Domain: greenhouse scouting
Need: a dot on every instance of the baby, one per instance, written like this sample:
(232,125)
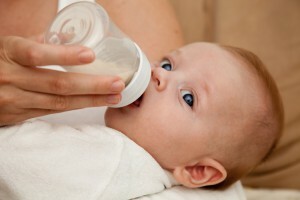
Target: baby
(209,115)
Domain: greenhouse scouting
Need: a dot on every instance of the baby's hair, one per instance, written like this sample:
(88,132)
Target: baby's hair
(271,124)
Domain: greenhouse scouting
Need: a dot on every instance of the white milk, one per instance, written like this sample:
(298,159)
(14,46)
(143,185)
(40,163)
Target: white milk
(98,67)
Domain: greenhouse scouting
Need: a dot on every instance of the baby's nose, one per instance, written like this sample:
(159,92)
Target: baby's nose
(159,76)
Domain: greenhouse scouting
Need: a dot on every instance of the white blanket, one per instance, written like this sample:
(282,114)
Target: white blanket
(95,115)
(234,192)
(40,161)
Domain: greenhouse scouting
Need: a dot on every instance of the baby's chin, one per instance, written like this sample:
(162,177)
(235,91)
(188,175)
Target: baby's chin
(111,120)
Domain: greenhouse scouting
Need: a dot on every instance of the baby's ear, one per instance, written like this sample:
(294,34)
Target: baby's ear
(204,173)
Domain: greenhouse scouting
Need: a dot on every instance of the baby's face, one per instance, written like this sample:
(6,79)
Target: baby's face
(193,95)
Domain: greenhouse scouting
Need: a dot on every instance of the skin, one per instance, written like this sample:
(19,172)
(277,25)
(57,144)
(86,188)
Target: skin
(184,135)
(22,98)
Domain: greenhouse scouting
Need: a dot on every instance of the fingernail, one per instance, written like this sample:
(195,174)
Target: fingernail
(86,56)
(117,86)
(113,99)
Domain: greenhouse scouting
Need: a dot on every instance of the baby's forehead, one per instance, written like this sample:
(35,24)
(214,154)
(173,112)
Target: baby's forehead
(213,63)
(201,47)
(204,52)
(207,55)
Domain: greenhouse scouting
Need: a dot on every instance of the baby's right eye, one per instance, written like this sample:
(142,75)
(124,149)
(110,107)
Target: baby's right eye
(166,65)
(188,97)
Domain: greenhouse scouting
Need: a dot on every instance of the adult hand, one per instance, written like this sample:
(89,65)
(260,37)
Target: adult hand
(27,91)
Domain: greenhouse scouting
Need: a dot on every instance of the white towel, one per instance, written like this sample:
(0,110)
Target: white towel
(41,161)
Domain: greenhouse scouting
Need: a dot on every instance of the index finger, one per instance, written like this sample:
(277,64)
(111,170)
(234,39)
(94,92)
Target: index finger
(31,53)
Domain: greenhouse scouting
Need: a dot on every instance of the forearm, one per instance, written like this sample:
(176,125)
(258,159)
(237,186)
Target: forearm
(152,24)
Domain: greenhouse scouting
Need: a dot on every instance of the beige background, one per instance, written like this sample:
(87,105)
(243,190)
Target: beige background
(271,29)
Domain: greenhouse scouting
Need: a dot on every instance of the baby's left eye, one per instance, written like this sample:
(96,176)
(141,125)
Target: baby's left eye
(165,64)
(188,97)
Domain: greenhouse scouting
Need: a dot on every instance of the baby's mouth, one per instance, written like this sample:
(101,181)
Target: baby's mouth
(138,102)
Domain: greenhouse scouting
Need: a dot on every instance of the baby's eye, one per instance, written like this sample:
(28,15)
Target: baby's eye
(166,65)
(188,97)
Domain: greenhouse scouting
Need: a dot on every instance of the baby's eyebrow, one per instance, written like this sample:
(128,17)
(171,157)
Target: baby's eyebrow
(177,51)
(171,56)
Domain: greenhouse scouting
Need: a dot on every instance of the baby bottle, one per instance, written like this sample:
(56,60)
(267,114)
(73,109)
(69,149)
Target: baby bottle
(88,24)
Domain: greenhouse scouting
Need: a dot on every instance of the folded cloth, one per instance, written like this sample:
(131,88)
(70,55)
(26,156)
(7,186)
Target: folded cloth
(39,160)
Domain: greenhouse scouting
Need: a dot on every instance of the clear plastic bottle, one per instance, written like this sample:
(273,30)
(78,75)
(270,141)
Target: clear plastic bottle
(88,24)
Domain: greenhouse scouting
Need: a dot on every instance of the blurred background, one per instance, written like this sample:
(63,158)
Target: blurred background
(270,29)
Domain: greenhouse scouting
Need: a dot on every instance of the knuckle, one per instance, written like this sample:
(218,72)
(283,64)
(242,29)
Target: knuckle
(4,48)
(33,55)
(7,41)
(60,103)
(4,55)
(61,86)
(5,67)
